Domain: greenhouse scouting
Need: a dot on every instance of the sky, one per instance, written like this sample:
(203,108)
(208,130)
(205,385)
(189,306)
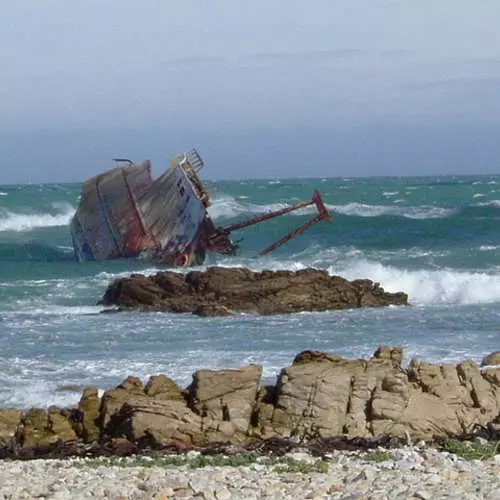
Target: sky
(275,88)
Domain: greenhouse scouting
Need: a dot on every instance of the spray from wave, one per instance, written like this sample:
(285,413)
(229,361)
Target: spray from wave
(425,286)
(12,221)
(226,207)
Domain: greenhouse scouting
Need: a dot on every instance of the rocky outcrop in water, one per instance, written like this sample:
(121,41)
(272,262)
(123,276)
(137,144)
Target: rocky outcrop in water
(221,291)
(319,396)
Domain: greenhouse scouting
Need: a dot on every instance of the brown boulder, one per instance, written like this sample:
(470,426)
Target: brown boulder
(163,387)
(87,423)
(225,401)
(493,359)
(10,419)
(158,422)
(113,400)
(40,428)
(325,395)
(219,291)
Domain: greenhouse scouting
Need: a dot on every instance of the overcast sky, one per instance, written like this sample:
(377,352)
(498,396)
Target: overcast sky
(274,88)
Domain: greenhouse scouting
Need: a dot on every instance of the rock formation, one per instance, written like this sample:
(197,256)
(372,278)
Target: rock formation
(220,291)
(320,395)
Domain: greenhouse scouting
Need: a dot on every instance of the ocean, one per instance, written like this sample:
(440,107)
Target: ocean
(435,238)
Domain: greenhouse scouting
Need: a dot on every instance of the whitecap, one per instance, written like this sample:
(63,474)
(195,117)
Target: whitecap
(11,221)
(426,286)
(226,206)
(410,212)
(491,203)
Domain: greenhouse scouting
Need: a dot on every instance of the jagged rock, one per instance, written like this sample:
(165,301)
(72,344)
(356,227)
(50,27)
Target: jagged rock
(163,387)
(113,400)
(158,422)
(493,359)
(225,400)
(86,423)
(434,400)
(220,291)
(323,395)
(395,354)
(10,418)
(40,428)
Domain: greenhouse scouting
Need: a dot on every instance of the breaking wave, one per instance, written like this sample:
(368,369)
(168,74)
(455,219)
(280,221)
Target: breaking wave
(427,287)
(12,221)
(414,212)
(492,203)
(227,207)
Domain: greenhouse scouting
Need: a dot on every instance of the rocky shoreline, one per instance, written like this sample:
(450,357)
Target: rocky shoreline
(328,428)
(319,396)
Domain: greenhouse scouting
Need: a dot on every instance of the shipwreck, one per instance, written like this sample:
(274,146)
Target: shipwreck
(124,213)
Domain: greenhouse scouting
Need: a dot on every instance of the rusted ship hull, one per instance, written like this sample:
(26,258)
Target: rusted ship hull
(124,213)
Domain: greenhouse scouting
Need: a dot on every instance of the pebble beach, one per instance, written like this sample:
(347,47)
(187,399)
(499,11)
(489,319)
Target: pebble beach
(409,472)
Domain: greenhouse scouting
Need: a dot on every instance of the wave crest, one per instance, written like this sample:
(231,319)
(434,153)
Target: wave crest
(413,212)
(12,221)
(427,286)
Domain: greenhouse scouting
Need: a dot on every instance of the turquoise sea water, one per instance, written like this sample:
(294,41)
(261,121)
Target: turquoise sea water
(435,238)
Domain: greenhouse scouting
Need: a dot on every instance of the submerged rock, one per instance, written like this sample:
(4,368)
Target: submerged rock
(220,291)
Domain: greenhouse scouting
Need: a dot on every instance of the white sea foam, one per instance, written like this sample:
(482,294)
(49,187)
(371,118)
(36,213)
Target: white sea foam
(11,221)
(54,310)
(3,194)
(426,287)
(491,203)
(413,212)
(488,248)
(105,275)
(226,206)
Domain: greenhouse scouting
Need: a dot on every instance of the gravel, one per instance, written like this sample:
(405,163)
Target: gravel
(404,473)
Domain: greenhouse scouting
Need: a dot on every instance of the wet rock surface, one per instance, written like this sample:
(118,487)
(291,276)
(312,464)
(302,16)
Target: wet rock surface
(222,291)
